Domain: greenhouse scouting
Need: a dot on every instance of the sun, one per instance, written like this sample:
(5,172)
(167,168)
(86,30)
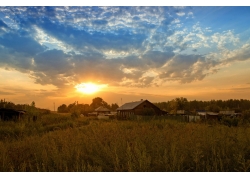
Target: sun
(88,88)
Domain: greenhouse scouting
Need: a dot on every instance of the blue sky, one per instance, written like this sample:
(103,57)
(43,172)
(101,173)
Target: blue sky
(131,47)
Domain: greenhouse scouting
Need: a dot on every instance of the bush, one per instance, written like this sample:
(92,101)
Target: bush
(230,121)
(246,116)
(75,115)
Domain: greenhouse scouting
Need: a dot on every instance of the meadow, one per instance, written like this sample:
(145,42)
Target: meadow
(62,143)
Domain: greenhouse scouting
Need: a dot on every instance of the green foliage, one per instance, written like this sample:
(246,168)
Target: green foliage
(246,116)
(75,114)
(33,104)
(114,106)
(213,105)
(230,121)
(213,108)
(77,109)
(97,102)
(62,109)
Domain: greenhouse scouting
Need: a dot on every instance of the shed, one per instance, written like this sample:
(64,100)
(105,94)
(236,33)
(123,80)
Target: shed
(143,107)
(11,114)
(212,116)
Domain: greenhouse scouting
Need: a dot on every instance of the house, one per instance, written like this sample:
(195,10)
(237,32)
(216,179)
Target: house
(11,114)
(208,115)
(102,110)
(143,107)
(212,116)
(227,113)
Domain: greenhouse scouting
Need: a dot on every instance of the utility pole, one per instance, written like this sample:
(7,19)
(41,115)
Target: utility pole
(54,107)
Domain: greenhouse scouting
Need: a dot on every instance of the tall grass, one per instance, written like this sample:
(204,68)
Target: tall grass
(121,146)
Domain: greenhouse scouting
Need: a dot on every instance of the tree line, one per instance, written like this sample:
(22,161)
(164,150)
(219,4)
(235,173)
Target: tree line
(31,108)
(181,103)
(85,108)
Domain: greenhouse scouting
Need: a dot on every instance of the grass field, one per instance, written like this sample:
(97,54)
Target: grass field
(59,143)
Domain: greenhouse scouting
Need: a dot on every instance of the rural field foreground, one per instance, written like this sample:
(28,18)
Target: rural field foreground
(61,143)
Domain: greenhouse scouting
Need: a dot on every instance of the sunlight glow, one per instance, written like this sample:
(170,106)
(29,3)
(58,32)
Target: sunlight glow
(89,88)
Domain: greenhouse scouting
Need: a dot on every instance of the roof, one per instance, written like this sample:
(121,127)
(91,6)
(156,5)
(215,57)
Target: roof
(212,114)
(130,105)
(201,113)
(101,108)
(12,111)
(227,112)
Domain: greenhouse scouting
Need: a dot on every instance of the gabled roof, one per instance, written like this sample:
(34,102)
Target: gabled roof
(130,105)
(101,108)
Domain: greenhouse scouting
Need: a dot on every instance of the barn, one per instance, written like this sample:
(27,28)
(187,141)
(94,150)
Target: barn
(143,107)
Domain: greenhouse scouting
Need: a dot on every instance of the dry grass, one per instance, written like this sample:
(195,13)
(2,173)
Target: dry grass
(94,145)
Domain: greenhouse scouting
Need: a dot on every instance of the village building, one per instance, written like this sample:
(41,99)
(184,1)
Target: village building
(212,116)
(102,110)
(11,114)
(143,107)
(227,113)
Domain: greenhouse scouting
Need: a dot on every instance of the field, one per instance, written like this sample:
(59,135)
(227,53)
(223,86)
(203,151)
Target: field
(61,143)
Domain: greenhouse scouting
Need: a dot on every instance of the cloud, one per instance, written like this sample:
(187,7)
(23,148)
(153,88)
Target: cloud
(99,22)
(64,46)
(2,24)
(17,60)
(181,13)
(52,60)
(21,44)
(225,39)
(240,54)
(6,93)
(156,59)
(185,68)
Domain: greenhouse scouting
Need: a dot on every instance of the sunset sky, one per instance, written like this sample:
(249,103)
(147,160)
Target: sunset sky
(130,53)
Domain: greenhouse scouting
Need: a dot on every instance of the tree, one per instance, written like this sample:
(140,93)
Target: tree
(62,109)
(97,102)
(178,104)
(70,106)
(33,104)
(114,107)
(213,108)
(181,103)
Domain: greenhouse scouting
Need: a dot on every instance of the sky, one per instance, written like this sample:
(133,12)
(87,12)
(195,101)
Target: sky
(131,52)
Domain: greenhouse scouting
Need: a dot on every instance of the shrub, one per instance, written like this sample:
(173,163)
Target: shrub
(246,116)
(230,121)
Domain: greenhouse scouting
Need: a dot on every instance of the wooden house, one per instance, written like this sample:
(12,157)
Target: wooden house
(143,107)
(11,114)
